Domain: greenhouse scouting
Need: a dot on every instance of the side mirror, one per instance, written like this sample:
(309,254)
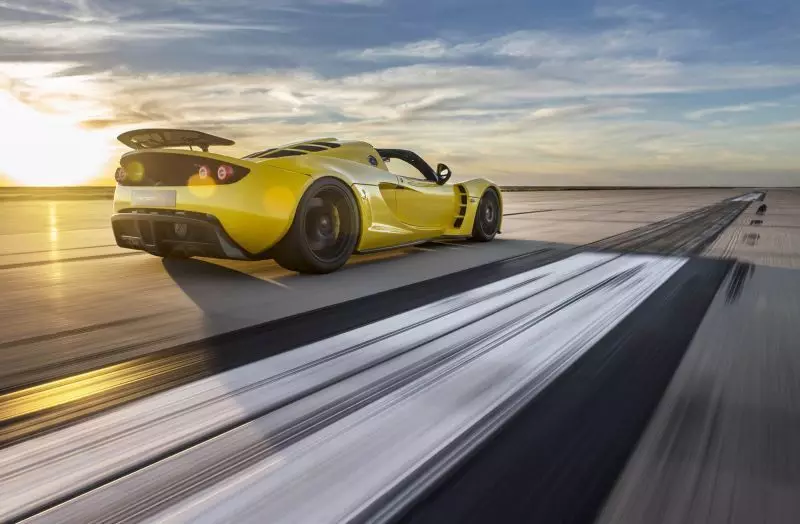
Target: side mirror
(443,174)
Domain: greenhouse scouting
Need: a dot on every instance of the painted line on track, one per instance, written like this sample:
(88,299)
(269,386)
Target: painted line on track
(589,293)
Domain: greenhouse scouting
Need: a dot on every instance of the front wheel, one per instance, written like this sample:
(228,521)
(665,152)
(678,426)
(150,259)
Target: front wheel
(487,217)
(324,232)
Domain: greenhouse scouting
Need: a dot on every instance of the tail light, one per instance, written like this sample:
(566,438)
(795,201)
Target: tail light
(224,172)
(169,169)
(119,174)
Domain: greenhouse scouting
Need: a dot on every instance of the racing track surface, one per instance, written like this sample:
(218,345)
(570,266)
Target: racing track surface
(723,443)
(120,317)
(103,305)
(392,406)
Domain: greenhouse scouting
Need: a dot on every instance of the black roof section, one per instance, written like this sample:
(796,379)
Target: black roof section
(296,149)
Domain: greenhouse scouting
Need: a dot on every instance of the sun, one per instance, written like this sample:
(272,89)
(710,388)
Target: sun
(38,149)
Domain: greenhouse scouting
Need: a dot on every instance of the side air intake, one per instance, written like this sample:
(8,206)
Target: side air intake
(462,208)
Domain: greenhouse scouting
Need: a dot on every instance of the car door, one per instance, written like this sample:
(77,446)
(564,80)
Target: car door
(423,203)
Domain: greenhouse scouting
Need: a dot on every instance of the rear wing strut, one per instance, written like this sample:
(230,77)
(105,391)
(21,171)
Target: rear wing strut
(159,138)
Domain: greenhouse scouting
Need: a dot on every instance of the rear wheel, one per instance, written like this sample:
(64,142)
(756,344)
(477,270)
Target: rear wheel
(487,217)
(324,232)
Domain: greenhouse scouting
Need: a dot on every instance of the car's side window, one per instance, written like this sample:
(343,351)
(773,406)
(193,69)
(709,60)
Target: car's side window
(410,165)
(402,168)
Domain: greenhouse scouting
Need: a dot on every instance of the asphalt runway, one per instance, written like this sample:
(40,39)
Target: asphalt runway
(724,443)
(73,301)
(507,437)
(768,239)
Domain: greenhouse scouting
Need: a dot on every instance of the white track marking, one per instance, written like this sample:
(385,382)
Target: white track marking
(350,463)
(345,467)
(275,283)
(750,197)
(55,465)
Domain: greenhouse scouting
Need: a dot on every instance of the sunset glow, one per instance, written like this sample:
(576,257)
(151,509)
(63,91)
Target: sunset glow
(585,93)
(45,150)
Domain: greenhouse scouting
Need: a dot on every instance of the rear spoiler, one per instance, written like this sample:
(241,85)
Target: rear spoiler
(158,138)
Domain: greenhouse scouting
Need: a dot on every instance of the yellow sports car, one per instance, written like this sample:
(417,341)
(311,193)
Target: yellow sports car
(308,205)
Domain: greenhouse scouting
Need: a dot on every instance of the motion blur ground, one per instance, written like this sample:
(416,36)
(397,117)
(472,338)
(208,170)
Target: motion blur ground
(94,335)
(768,239)
(724,445)
(103,297)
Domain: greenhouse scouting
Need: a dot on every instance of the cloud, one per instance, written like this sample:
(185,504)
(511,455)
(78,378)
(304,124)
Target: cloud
(545,45)
(629,12)
(591,99)
(77,10)
(490,114)
(34,69)
(88,36)
(367,3)
(414,96)
(111,11)
(427,49)
(792,125)
(596,109)
(740,108)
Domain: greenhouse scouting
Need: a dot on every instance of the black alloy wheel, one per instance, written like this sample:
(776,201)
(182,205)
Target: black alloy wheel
(324,232)
(487,217)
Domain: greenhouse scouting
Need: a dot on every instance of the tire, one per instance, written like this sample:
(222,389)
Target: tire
(324,231)
(487,217)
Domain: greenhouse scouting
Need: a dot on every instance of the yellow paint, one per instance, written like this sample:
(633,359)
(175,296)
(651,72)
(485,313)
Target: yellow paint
(202,187)
(426,204)
(278,200)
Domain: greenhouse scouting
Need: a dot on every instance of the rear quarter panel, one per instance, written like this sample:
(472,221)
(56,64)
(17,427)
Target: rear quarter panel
(361,168)
(255,212)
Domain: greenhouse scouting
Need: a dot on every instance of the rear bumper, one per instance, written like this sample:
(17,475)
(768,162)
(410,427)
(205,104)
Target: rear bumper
(165,232)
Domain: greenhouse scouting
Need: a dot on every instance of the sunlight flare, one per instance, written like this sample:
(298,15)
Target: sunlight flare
(38,149)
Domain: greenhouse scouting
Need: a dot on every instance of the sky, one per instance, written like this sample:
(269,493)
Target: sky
(606,92)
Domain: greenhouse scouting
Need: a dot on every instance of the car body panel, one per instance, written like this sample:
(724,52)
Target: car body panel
(425,204)
(255,212)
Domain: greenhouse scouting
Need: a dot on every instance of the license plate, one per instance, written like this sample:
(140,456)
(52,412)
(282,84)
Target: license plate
(153,197)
